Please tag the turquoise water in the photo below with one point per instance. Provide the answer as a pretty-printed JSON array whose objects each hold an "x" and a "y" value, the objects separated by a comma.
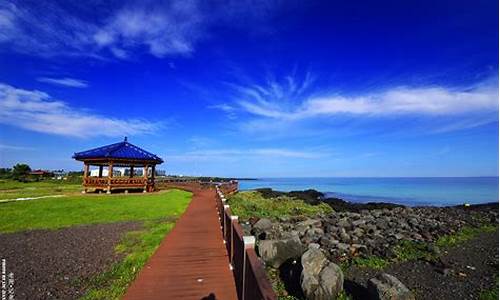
[{"x": 438, "y": 191}]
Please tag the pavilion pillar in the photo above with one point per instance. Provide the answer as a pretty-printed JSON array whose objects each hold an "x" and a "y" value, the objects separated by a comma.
[
  {"x": 85, "y": 170},
  {"x": 131, "y": 171},
  {"x": 85, "y": 175},
  {"x": 110, "y": 175},
  {"x": 145, "y": 178},
  {"x": 100, "y": 171},
  {"x": 153, "y": 170}
]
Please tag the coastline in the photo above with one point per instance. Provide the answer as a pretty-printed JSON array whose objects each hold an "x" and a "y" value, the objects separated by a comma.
[
  {"x": 413, "y": 192},
  {"x": 315, "y": 197}
]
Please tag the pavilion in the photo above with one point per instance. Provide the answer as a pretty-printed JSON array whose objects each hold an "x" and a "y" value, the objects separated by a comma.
[{"x": 119, "y": 155}]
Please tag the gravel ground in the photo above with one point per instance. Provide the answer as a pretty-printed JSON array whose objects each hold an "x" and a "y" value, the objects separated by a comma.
[
  {"x": 472, "y": 267},
  {"x": 54, "y": 264}
]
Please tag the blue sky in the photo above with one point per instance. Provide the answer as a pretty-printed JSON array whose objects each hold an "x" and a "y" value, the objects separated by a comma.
[{"x": 254, "y": 88}]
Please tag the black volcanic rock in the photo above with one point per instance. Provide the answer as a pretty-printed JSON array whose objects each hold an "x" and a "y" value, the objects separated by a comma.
[{"x": 314, "y": 197}]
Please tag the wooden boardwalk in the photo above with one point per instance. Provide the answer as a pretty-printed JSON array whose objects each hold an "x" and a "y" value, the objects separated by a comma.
[{"x": 192, "y": 261}]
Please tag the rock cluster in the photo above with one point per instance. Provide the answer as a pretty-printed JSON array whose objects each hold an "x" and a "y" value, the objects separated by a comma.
[
  {"x": 355, "y": 230},
  {"x": 370, "y": 232}
]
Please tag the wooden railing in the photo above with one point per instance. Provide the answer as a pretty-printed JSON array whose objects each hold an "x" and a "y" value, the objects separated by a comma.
[
  {"x": 249, "y": 273},
  {"x": 116, "y": 181},
  {"x": 250, "y": 276}
]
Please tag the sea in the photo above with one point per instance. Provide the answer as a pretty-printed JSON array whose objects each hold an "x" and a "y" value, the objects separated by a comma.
[{"x": 412, "y": 191}]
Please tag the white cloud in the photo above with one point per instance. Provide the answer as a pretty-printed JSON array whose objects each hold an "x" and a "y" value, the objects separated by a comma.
[
  {"x": 37, "y": 111},
  {"x": 164, "y": 30},
  {"x": 69, "y": 82},
  {"x": 123, "y": 28},
  {"x": 287, "y": 102}
]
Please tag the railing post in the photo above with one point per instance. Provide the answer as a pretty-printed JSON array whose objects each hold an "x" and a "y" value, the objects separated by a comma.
[
  {"x": 225, "y": 225},
  {"x": 233, "y": 219},
  {"x": 248, "y": 243}
]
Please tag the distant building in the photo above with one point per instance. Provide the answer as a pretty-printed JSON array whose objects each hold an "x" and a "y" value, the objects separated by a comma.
[
  {"x": 59, "y": 174},
  {"x": 41, "y": 173}
]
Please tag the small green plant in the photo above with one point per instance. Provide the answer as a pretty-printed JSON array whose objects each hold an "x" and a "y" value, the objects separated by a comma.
[
  {"x": 343, "y": 296},
  {"x": 464, "y": 235},
  {"x": 411, "y": 250},
  {"x": 491, "y": 294},
  {"x": 278, "y": 285},
  {"x": 372, "y": 262}
]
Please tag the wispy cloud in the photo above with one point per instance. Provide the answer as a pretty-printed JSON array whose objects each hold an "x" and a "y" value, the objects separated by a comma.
[
  {"x": 15, "y": 148},
  {"x": 226, "y": 108},
  {"x": 69, "y": 82},
  {"x": 296, "y": 105},
  {"x": 37, "y": 111},
  {"x": 260, "y": 153},
  {"x": 120, "y": 29},
  {"x": 393, "y": 101}
]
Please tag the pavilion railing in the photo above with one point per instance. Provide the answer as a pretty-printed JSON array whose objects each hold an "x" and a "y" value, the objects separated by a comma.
[
  {"x": 249, "y": 274},
  {"x": 116, "y": 181}
]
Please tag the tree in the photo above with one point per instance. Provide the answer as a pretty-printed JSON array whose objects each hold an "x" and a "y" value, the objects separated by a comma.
[
  {"x": 5, "y": 172},
  {"x": 20, "y": 171}
]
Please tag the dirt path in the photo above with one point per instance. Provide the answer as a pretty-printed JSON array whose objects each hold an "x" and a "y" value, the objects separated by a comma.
[
  {"x": 53, "y": 264},
  {"x": 191, "y": 262},
  {"x": 472, "y": 267}
]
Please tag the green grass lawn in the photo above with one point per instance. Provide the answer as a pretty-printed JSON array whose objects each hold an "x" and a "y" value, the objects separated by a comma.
[
  {"x": 11, "y": 189},
  {"x": 53, "y": 213}
]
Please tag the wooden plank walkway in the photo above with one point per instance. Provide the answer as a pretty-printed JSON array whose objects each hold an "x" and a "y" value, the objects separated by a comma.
[{"x": 192, "y": 261}]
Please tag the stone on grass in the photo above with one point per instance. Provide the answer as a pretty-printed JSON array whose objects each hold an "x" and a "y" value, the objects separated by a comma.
[{"x": 388, "y": 287}]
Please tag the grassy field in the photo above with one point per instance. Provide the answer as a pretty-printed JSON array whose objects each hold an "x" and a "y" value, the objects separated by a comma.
[
  {"x": 11, "y": 189},
  {"x": 53, "y": 213}
]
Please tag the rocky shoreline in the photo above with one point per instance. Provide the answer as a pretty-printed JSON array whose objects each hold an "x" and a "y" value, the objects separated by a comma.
[{"x": 353, "y": 231}]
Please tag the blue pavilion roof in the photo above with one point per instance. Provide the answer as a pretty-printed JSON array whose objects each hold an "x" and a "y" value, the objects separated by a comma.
[{"x": 121, "y": 150}]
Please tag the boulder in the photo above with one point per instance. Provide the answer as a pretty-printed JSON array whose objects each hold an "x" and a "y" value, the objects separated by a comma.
[
  {"x": 344, "y": 222},
  {"x": 262, "y": 225},
  {"x": 320, "y": 279},
  {"x": 313, "y": 261},
  {"x": 276, "y": 252},
  {"x": 388, "y": 287},
  {"x": 313, "y": 235},
  {"x": 343, "y": 247},
  {"x": 331, "y": 282},
  {"x": 358, "y": 222},
  {"x": 303, "y": 226}
]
